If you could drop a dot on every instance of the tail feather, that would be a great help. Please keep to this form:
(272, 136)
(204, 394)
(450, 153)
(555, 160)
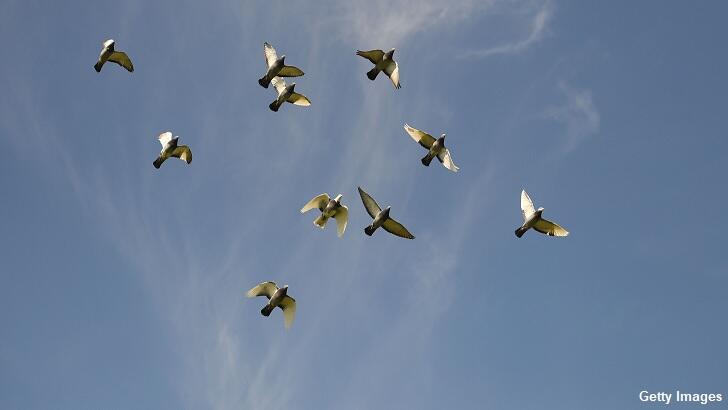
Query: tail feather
(263, 82)
(369, 230)
(97, 66)
(321, 221)
(372, 74)
(158, 162)
(274, 106)
(520, 231)
(427, 159)
(266, 310)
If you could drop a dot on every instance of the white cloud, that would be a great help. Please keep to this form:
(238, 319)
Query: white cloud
(578, 114)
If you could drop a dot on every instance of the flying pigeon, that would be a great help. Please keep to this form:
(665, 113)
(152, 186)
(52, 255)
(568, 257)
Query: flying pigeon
(278, 297)
(171, 149)
(118, 57)
(276, 66)
(532, 219)
(381, 218)
(329, 208)
(435, 148)
(286, 93)
(382, 62)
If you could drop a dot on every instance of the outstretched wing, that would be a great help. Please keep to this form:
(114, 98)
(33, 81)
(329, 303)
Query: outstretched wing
(270, 54)
(374, 56)
(423, 138)
(120, 57)
(266, 289)
(279, 84)
(396, 228)
(526, 206)
(290, 71)
(164, 138)
(342, 218)
(183, 152)
(369, 203)
(392, 71)
(446, 159)
(299, 99)
(288, 305)
(549, 228)
(318, 202)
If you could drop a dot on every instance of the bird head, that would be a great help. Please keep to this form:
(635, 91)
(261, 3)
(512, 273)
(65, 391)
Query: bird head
(539, 211)
(338, 198)
(284, 289)
(283, 58)
(390, 53)
(441, 140)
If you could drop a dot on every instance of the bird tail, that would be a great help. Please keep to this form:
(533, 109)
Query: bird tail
(321, 221)
(427, 159)
(372, 74)
(520, 231)
(274, 106)
(263, 83)
(158, 162)
(369, 230)
(97, 66)
(266, 310)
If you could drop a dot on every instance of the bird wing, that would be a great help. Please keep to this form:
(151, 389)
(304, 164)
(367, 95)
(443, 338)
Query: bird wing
(288, 305)
(396, 228)
(549, 228)
(266, 289)
(392, 71)
(342, 218)
(369, 203)
(299, 99)
(270, 54)
(290, 71)
(183, 152)
(318, 202)
(374, 56)
(423, 138)
(279, 84)
(526, 206)
(446, 159)
(120, 57)
(164, 138)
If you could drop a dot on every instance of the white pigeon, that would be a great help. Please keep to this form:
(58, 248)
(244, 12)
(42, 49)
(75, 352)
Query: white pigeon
(171, 149)
(532, 219)
(276, 66)
(382, 62)
(435, 148)
(382, 218)
(277, 297)
(118, 57)
(286, 93)
(329, 208)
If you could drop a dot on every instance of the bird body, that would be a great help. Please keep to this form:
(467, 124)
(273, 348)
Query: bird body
(276, 67)
(329, 208)
(381, 218)
(287, 93)
(435, 148)
(382, 62)
(109, 54)
(532, 218)
(170, 148)
(277, 298)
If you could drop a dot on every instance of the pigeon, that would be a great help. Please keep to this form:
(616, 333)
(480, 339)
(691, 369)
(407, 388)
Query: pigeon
(382, 62)
(381, 218)
(118, 57)
(286, 93)
(276, 66)
(171, 149)
(277, 297)
(329, 208)
(435, 148)
(532, 219)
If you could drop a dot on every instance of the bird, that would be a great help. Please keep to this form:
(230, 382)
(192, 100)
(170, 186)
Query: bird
(287, 93)
(329, 208)
(276, 67)
(382, 62)
(382, 218)
(171, 149)
(435, 148)
(118, 57)
(277, 297)
(532, 219)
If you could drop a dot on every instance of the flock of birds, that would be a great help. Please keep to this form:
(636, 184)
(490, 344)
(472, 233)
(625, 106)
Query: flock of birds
(276, 69)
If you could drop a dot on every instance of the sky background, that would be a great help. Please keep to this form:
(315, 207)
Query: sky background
(122, 286)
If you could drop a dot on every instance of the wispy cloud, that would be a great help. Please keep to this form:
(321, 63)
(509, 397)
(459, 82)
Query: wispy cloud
(578, 114)
(538, 26)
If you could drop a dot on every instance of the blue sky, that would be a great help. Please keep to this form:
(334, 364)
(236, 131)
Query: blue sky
(122, 286)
